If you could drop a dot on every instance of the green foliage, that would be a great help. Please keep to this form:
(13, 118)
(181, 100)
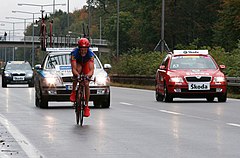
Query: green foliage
(227, 27)
(136, 62)
(125, 24)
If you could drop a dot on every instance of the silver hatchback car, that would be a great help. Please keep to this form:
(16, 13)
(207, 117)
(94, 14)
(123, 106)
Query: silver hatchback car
(53, 80)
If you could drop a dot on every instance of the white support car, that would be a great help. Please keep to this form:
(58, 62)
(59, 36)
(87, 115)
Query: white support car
(53, 79)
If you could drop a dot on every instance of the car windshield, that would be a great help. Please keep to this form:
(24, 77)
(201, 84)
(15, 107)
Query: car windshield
(64, 59)
(192, 62)
(18, 67)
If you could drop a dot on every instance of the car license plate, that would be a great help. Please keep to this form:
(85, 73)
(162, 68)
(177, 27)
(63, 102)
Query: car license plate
(199, 86)
(18, 78)
(68, 87)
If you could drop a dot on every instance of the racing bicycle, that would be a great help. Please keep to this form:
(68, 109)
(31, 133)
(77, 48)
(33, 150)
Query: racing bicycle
(80, 102)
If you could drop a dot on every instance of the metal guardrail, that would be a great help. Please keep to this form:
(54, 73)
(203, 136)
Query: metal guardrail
(150, 80)
(233, 81)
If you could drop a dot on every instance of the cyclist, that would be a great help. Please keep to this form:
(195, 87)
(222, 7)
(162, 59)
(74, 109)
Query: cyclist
(82, 62)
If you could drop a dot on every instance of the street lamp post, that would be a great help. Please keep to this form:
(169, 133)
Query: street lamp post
(68, 14)
(33, 53)
(162, 30)
(43, 5)
(117, 28)
(23, 34)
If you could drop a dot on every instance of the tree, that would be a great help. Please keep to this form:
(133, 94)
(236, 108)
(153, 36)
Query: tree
(227, 28)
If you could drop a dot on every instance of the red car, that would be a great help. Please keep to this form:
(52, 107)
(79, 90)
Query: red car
(190, 74)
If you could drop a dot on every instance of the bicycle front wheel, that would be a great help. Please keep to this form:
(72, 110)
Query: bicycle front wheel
(77, 112)
(78, 108)
(81, 112)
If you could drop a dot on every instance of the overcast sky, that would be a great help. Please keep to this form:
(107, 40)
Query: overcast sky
(7, 6)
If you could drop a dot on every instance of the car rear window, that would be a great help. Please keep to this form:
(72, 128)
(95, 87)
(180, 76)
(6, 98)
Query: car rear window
(192, 62)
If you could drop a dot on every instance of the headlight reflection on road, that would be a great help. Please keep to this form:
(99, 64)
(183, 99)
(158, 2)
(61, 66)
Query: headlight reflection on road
(175, 131)
(175, 127)
(30, 90)
(7, 101)
(50, 121)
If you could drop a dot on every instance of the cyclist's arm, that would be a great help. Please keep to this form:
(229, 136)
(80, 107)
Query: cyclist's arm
(91, 67)
(74, 66)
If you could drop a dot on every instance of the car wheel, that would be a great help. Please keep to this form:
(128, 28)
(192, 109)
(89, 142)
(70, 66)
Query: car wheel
(222, 98)
(31, 84)
(102, 104)
(43, 102)
(4, 84)
(158, 96)
(167, 97)
(97, 104)
(36, 100)
(210, 99)
(106, 103)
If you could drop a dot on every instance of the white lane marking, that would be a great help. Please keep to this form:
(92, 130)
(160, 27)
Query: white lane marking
(170, 112)
(176, 113)
(29, 149)
(233, 124)
(134, 89)
(125, 103)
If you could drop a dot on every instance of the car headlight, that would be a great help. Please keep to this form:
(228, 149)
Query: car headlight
(219, 79)
(7, 74)
(176, 79)
(29, 75)
(102, 80)
(52, 81)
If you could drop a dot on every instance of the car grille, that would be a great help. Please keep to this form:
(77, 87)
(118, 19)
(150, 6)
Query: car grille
(197, 91)
(17, 74)
(69, 92)
(67, 79)
(63, 92)
(198, 79)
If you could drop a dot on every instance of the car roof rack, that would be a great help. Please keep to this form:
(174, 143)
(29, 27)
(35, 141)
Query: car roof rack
(181, 52)
(59, 49)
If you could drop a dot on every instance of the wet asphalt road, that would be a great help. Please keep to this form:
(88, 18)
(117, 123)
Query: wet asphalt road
(135, 126)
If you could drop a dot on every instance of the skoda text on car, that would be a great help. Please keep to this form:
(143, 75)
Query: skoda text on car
(190, 74)
(17, 72)
(53, 79)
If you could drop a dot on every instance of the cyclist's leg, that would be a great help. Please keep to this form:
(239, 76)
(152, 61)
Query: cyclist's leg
(73, 93)
(87, 70)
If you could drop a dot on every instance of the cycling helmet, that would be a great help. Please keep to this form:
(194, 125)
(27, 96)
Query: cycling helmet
(83, 42)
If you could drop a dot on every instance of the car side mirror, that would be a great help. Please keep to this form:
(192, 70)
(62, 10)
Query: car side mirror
(38, 67)
(162, 67)
(222, 67)
(2, 69)
(107, 67)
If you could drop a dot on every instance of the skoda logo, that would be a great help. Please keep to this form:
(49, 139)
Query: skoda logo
(198, 77)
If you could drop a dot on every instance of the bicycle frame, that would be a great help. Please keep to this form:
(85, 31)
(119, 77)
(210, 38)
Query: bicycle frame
(80, 99)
